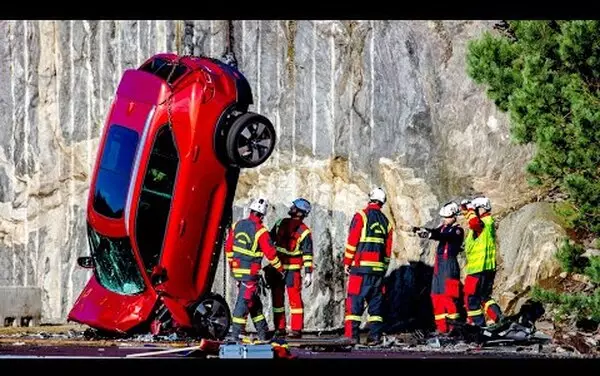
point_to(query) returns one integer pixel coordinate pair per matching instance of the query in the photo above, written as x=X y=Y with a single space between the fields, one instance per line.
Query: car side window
x=155 y=198
x=114 y=172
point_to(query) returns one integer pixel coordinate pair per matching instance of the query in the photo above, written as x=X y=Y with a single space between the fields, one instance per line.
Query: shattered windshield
x=115 y=266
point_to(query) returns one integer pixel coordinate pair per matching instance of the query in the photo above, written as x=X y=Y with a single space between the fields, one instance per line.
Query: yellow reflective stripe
x=256 y=237
x=375 y=318
x=453 y=316
x=292 y=267
x=488 y=304
x=371 y=239
x=390 y=227
x=375 y=264
x=441 y=316
x=276 y=263
x=246 y=252
x=307 y=257
x=363 y=231
x=348 y=255
x=290 y=253
x=239 y=320
x=307 y=264
x=237 y=275
x=296 y=310
x=258 y=318
x=353 y=318
x=301 y=238
x=241 y=271
x=348 y=246
x=386 y=259
x=229 y=254
x=475 y=312
x=279 y=309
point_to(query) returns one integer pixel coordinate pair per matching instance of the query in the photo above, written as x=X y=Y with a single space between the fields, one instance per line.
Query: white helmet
x=377 y=194
x=450 y=209
x=482 y=202
x=260 y=205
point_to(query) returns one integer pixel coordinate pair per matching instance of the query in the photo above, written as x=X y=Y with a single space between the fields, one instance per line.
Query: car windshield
x=114 y=172
x=115 y=266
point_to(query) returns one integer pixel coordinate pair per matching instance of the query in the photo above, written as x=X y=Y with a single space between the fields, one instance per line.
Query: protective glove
x=423 y=233
x=347 y=269
x=307 y=279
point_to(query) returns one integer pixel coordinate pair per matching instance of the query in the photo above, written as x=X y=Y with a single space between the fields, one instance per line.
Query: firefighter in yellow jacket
x=480 y=250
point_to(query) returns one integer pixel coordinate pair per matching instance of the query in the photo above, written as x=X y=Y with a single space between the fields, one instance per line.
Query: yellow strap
x=475 y=313
x=375 y=318
x=241 y=271
x=441 y=316
x=488 y=304
x=258 y=318
x=296 y=310
x=279 y=309
x=292 y=267
x=348 y=255
x=239 y=320
x=352 y=248
x=301 y=238
x=454 y=316
x=276 y=262
x=307 y=257
x=353 y=318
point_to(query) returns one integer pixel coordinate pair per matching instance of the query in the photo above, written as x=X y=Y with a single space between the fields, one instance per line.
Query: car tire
x=250 y=140
x=211 y=317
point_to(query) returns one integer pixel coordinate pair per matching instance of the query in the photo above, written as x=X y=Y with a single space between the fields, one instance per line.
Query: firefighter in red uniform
x=445 y=288
x=293 y=241
x=248 y=240
x=367 y=256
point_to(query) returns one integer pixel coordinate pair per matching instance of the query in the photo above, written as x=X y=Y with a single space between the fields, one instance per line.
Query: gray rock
x=527 y=241
x=355 y=104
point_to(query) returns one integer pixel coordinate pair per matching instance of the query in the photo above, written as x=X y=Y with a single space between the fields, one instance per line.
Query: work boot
x=279 y=333
x=295 y=334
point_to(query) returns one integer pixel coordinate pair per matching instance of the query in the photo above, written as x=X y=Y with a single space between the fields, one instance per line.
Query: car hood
x=100 y=308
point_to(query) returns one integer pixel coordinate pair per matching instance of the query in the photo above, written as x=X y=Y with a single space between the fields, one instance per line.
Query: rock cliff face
x=356 y=104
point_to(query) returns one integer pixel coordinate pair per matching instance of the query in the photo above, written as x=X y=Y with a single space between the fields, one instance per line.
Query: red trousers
x=293 y=283
x=444 y=307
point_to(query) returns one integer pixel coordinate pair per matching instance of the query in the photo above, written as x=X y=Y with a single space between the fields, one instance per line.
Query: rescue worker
x=246 y=243
x=293 y=241
x=445 y=287
x=366 y=260
x=480 y=250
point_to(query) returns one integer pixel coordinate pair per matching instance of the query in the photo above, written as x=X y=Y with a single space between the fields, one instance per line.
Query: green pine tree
x=546 y=76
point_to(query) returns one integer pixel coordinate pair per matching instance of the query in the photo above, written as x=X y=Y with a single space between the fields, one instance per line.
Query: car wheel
x=211 y=317
x=250 y=140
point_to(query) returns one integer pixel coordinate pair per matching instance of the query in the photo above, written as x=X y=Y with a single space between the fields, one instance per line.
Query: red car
x=160 y=198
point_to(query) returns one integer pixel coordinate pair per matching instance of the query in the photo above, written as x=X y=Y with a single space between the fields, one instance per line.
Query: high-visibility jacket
x=369 y=244
x=480 y=243
x=293 y=241
x=246 y=244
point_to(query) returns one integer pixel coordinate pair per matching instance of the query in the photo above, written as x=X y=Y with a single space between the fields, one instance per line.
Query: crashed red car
x=177 y=134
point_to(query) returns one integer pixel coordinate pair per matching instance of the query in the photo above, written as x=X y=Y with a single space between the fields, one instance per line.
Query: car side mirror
x=85 y=262
x=159 y=275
